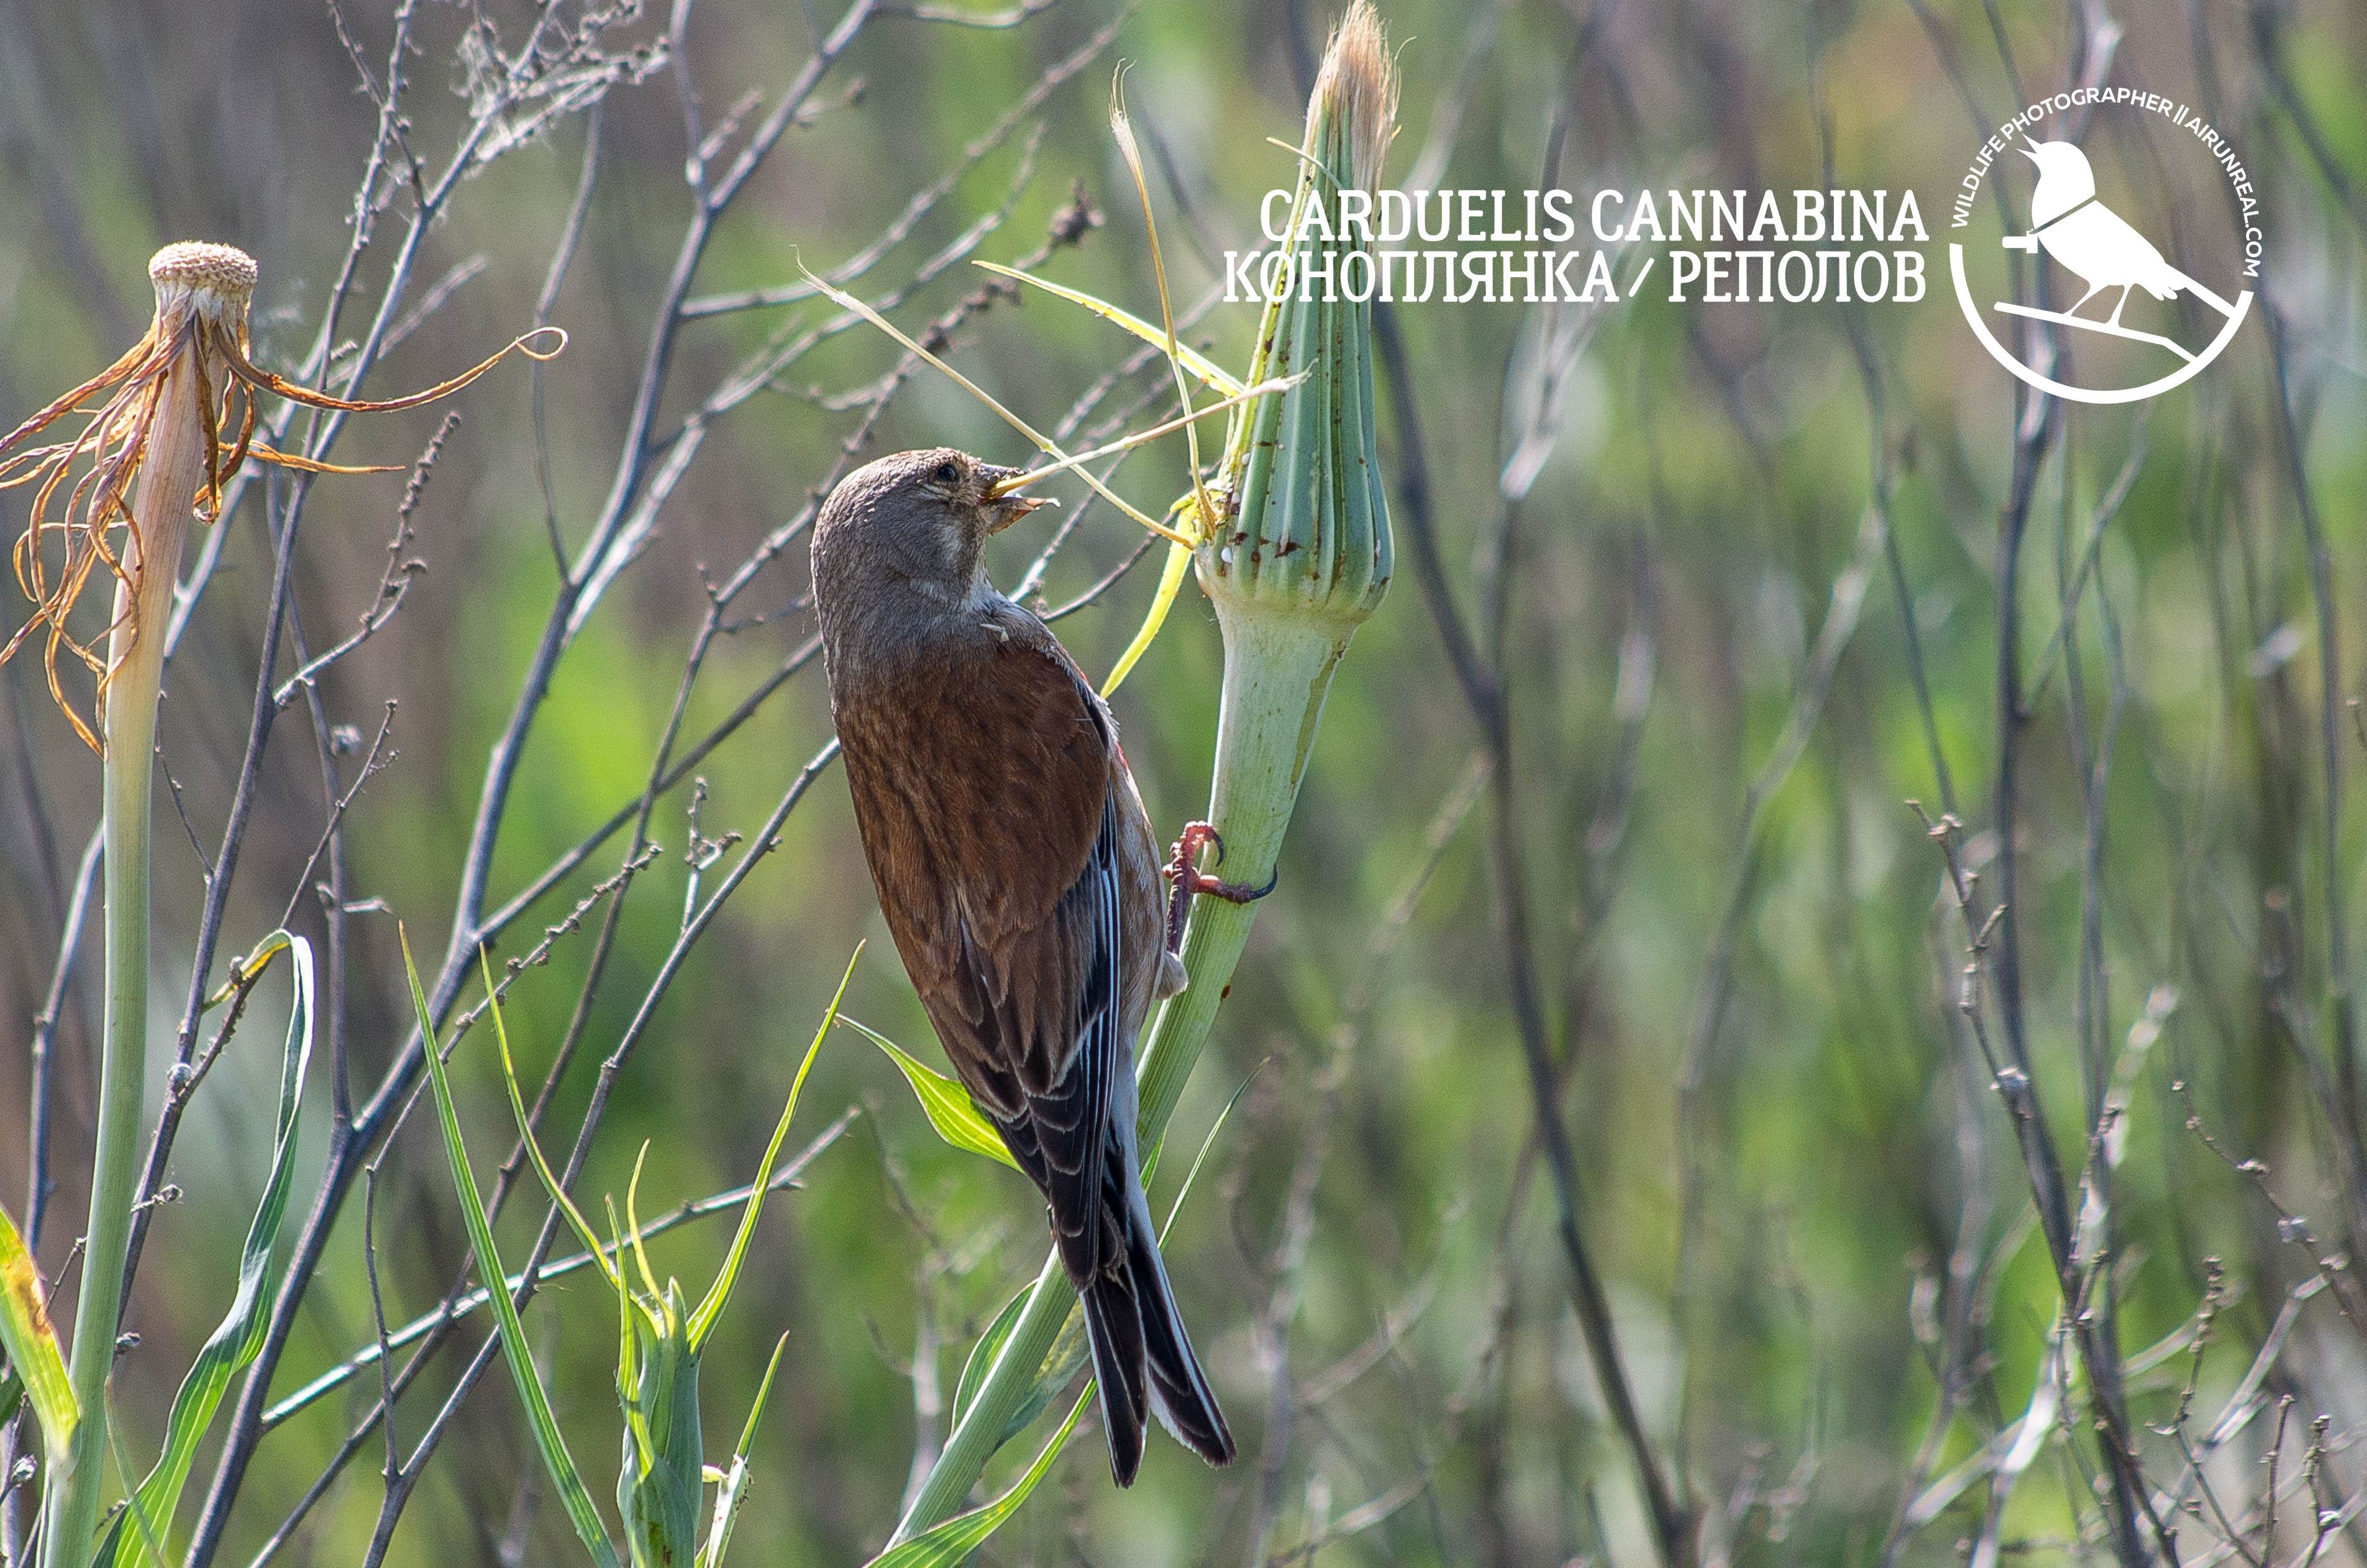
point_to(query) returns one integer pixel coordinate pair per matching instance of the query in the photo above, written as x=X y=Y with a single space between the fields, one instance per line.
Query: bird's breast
x=978 y=781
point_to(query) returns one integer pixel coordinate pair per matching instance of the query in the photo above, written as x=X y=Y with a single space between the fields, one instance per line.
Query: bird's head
x=912 y=523
x=2061 y=162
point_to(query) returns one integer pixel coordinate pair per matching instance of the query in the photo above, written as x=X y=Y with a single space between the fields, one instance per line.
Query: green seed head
x=1308 y=525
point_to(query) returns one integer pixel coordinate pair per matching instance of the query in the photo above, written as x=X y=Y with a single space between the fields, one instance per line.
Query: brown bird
x=1019 y=876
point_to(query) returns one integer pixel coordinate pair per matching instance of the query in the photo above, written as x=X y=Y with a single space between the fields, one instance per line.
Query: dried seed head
x=217 y=281
x=1358 y=87
x=162 y=431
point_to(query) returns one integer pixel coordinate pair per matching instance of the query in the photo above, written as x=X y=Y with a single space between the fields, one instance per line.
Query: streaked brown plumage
x=1020 y=879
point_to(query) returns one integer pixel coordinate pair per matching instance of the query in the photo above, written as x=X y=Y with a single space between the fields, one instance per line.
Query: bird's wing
x=984 y=796
x=1060 y=1136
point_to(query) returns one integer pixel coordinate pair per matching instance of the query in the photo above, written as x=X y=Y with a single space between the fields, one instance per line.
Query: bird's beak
x=1002 y=505
x=2028 y=149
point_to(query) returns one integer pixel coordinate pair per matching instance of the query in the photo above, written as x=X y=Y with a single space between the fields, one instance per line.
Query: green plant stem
x=1278 y=663
x=161 y=501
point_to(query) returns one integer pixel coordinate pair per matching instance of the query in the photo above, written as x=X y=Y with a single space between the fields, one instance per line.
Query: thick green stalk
x=170 y=474
x=74 y=1487
x=1277 y=668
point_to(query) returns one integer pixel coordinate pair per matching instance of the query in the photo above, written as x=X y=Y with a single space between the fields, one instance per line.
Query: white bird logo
x=2072 y=226
x=2088 y=237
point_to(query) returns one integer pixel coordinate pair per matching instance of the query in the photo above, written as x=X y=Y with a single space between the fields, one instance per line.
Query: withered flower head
x=160 y=414
x=1358 y=89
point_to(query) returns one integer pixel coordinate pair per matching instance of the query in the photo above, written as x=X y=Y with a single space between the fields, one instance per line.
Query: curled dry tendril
x=82 y=516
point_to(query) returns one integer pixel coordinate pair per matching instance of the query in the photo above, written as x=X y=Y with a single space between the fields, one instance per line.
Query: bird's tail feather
x=1180 y=1393
x=1114 y=1330
x=1143 y=1359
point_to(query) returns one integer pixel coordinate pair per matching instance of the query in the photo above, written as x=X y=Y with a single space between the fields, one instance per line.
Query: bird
x=1019 y=876
x=2091 y=240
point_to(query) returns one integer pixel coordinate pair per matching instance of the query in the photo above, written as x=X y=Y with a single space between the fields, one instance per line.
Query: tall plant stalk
x=161 y=430
x=191 y=281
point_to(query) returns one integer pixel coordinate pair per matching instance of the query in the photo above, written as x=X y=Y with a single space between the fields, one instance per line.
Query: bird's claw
x=1186 y=852
x=1186 y=878
x=1231 y=892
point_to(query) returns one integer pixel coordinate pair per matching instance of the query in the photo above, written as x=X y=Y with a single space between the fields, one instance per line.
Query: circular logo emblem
x=2113 y=313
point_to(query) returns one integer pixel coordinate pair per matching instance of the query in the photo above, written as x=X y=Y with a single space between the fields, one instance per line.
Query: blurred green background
x=1782 y=1125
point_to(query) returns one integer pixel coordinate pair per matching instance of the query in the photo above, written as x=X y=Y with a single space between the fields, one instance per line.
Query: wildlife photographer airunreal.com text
x=2074 y=224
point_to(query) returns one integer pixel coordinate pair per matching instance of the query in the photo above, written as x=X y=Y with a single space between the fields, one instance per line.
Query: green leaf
x=33 y=1354
x=240 y=1334
x=952 y=1542
x=572 y=1493
x=1210 y=373
x=948 y=1104
x=702 y=1321
x=1171 y=581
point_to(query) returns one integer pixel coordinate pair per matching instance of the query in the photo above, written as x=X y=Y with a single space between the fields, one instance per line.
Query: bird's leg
x=2092 y=291
x=1184 y=873
x=2121 y=306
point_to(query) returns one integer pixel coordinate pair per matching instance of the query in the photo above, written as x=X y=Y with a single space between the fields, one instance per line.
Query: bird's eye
x=946 y=474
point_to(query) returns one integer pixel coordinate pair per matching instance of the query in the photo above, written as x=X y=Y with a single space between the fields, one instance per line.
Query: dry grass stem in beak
x=1019 y=480
x=998 y=506
x=847 y=302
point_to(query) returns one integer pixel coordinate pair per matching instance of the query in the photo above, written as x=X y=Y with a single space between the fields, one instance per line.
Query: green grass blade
x=946 y=1103
x=733 y=1489
x=1133 y=439
x=702 y=1320
x=1204 y=507
x=551 y=1182
x=1043 y=442
x=1208 y=371
x=568 y=1481
x=32 y=1344
x=982 y=1354
x=240 y=1334
x=149 y=1547
x=633 y=1236
x=627 y=1373
x=1171 y=581
x=952 y=1541
x=1151 y=1160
